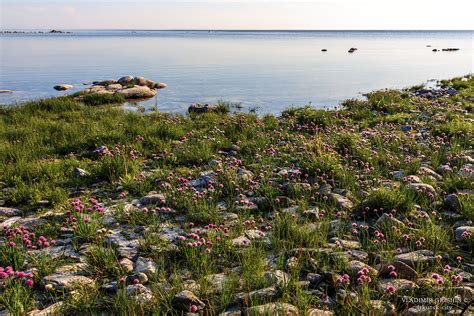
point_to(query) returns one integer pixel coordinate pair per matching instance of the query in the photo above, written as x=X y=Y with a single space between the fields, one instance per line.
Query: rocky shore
x=364 y=210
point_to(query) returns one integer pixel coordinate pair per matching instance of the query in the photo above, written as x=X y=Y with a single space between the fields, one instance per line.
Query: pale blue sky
x=236 y=14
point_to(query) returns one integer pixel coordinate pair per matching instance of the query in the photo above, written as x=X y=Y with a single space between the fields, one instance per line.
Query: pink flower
x=390 y=289
x=29 y=282
x=193 y=308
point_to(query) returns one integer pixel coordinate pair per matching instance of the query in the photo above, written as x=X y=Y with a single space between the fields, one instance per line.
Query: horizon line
x=234 y=30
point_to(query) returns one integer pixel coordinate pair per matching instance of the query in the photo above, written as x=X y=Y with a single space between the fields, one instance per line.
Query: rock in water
x=139 y=92
x=63 y=87
x=201 y=108
x=160 y=85
x=126 y=80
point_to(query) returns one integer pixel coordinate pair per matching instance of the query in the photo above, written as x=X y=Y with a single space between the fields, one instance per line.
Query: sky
x=237 y=14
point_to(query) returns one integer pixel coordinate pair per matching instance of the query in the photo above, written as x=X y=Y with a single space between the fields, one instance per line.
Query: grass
x=268 y=181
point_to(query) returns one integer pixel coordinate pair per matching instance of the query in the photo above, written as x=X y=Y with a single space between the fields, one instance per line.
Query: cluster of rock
x=432 y=94
x=446 y=49
x=128 y=86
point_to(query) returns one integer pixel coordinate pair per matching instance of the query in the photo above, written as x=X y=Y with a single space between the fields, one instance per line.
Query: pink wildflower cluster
x=392 y=271
x=363 y=276
x=118 y=150
x=343 y=280
x=8 y=273
x=20 y=236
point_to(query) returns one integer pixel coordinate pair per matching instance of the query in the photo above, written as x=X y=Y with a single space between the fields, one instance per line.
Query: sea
x=262 y=71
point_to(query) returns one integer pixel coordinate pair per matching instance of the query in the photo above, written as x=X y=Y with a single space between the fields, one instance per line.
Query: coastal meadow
x=363 y=210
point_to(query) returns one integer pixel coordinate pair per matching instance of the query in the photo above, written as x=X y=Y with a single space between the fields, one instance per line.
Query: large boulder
x=137 y=92
x=126 y=80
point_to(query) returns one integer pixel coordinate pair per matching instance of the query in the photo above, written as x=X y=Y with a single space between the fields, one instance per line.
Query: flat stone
x=318 y=312
x=423 y=188
x=146 y=265
x=273 y=309
x=346 y=244
x=54 y=309
x=403 y=270
x=137 y=92
x=66 y=281
x=417 y=257
x=254 y=234
x=114 y=87
x=425 y=171
x=155 y=198
x=341 y=201
x=355 y=266
x=261 y=295
x=9 y=212
x=398 y=284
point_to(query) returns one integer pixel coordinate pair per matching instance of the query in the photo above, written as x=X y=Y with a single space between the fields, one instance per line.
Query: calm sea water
x=269 y=71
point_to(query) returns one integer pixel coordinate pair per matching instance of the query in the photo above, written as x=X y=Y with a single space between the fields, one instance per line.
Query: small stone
x=126 y=264
x=78 y=172
x=141 y=293
x=318 y=312
x=341 y=201
x=146 y=265
x=464 y=233
x=277 y=278
x=274 y=309
x=241 y=242
x=452 y=203
x=183 y=300
x=157 y=199
x=423 y=188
